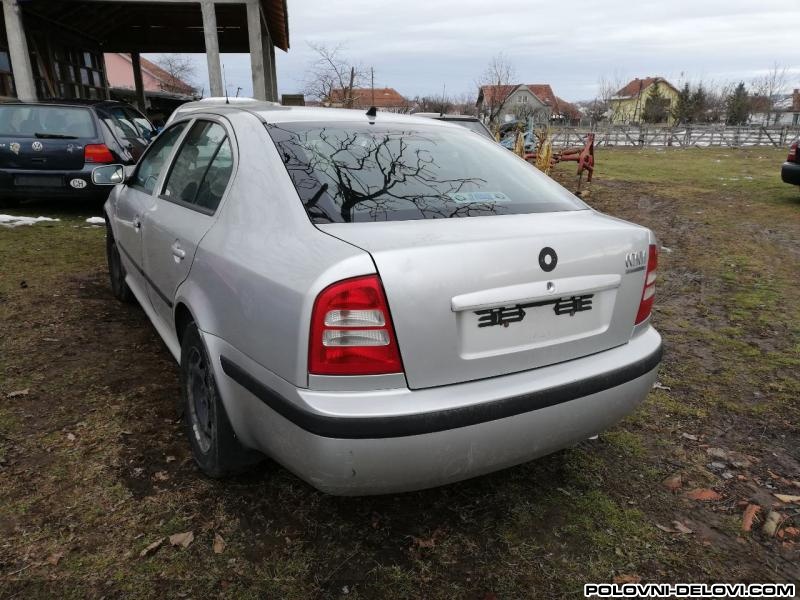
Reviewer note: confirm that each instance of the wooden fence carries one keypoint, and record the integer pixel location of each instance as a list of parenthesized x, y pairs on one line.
[(680, 136)]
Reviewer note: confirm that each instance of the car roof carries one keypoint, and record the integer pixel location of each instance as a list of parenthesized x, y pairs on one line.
[(65, 102), (272, 112), (446, 117)]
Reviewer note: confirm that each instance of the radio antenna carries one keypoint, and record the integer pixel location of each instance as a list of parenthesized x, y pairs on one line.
[(225, 84)]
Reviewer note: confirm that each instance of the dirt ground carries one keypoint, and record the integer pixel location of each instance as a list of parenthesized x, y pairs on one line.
[(94, 467)]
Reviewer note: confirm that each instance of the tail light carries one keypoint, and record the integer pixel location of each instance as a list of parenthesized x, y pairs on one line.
[(97, 153), (649, 291), (792, 153), (352, 331)]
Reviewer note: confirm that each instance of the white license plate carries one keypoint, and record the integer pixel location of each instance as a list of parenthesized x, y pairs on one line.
[(515, 328)]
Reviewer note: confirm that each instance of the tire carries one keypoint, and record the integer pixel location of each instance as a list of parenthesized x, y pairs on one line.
[(116, 271), (215, 448), (9, 203)]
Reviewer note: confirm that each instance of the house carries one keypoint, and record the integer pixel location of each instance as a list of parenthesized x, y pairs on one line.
[(796, 107), (386, 99), (503, 103), (628, 104), (163, 92), (782, 110)]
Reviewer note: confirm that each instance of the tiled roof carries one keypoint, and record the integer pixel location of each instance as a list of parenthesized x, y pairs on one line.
[(494, 94), (363, 98), (635, 86), (170, 83)]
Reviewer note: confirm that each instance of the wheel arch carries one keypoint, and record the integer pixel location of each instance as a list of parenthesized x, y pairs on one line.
[(183, 316)]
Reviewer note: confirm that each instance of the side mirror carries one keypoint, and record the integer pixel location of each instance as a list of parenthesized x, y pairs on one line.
[(108, 175)]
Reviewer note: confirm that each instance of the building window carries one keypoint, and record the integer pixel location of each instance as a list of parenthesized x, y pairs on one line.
[(6, 80), (522, 99), (80, 74)]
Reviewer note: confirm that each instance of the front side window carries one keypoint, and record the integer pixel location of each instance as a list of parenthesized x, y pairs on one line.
[(152, 163), (202, 168), (351, 172)]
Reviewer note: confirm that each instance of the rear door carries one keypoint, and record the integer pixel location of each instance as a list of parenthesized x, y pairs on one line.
[(185, 209), (133, 200), (44, 137)]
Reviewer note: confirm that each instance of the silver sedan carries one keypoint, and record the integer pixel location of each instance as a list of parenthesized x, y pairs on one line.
[(378, 302)]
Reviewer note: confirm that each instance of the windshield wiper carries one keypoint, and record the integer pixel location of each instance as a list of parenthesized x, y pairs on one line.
[(55, 136)]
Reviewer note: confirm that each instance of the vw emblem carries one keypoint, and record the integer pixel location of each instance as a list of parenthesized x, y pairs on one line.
[(37, 146)]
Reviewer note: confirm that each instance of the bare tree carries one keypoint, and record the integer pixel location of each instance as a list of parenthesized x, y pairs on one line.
[(464, 104), (495, 85), (603, 108), (332, 78), (181, 70), (769, 86)]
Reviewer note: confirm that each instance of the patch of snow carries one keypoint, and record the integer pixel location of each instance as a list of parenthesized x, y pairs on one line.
[(14, 220), (96, 221)]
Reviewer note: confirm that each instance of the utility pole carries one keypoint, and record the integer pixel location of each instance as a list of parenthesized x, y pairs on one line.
[(372, 83)]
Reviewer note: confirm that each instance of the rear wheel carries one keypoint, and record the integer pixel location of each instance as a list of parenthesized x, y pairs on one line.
[(116, 270), (215, 447)]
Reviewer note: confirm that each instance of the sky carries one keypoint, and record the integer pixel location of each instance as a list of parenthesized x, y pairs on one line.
[(419, 46)]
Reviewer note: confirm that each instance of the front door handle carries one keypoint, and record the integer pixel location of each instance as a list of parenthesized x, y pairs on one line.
[(178, 252), (137, 223)]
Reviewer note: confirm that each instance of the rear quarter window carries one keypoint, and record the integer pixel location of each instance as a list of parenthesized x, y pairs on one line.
[(354, 172)]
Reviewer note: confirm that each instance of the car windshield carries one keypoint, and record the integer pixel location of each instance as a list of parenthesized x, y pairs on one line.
[(475, 126), (46, 121), (361, 172)]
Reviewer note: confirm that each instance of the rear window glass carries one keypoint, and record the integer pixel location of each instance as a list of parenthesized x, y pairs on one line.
[(354, 173), (475, 126), (46, 121)]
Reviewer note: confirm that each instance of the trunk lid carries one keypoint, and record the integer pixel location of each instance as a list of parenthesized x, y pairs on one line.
[(469, 299)]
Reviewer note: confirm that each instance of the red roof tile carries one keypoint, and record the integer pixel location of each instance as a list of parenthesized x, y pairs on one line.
[(169, 83), (495, 94), (363, 98), (634, 87)]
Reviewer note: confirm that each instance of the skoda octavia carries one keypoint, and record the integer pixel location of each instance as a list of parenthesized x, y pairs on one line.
[(378, 302)]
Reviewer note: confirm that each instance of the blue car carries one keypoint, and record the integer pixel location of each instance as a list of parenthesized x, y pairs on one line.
[(48, 149)]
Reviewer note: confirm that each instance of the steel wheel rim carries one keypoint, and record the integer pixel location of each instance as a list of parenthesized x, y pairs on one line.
[(199, 388)]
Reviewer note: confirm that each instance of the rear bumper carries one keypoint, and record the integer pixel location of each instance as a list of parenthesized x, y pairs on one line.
[(790, 173), (58, 184), (399, 440)]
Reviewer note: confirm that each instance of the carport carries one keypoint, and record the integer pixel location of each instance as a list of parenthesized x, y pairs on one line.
[(137, 26)]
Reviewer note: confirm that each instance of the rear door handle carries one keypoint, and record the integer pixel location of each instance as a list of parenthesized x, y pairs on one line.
[(137, 223), (178, 252)]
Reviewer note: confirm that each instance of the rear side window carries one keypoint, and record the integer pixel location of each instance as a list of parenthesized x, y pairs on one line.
[(127, 124), (202, 168), (151, 165), (29, 121), (354, 172)]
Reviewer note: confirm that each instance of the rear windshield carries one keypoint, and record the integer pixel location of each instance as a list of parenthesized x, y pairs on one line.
[(360, 172), (46, 121)]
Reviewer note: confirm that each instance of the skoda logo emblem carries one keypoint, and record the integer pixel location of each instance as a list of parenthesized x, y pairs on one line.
[(548, 259), (37, 146)]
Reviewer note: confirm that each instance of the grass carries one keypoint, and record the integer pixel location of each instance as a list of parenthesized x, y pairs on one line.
[(96, 371)]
